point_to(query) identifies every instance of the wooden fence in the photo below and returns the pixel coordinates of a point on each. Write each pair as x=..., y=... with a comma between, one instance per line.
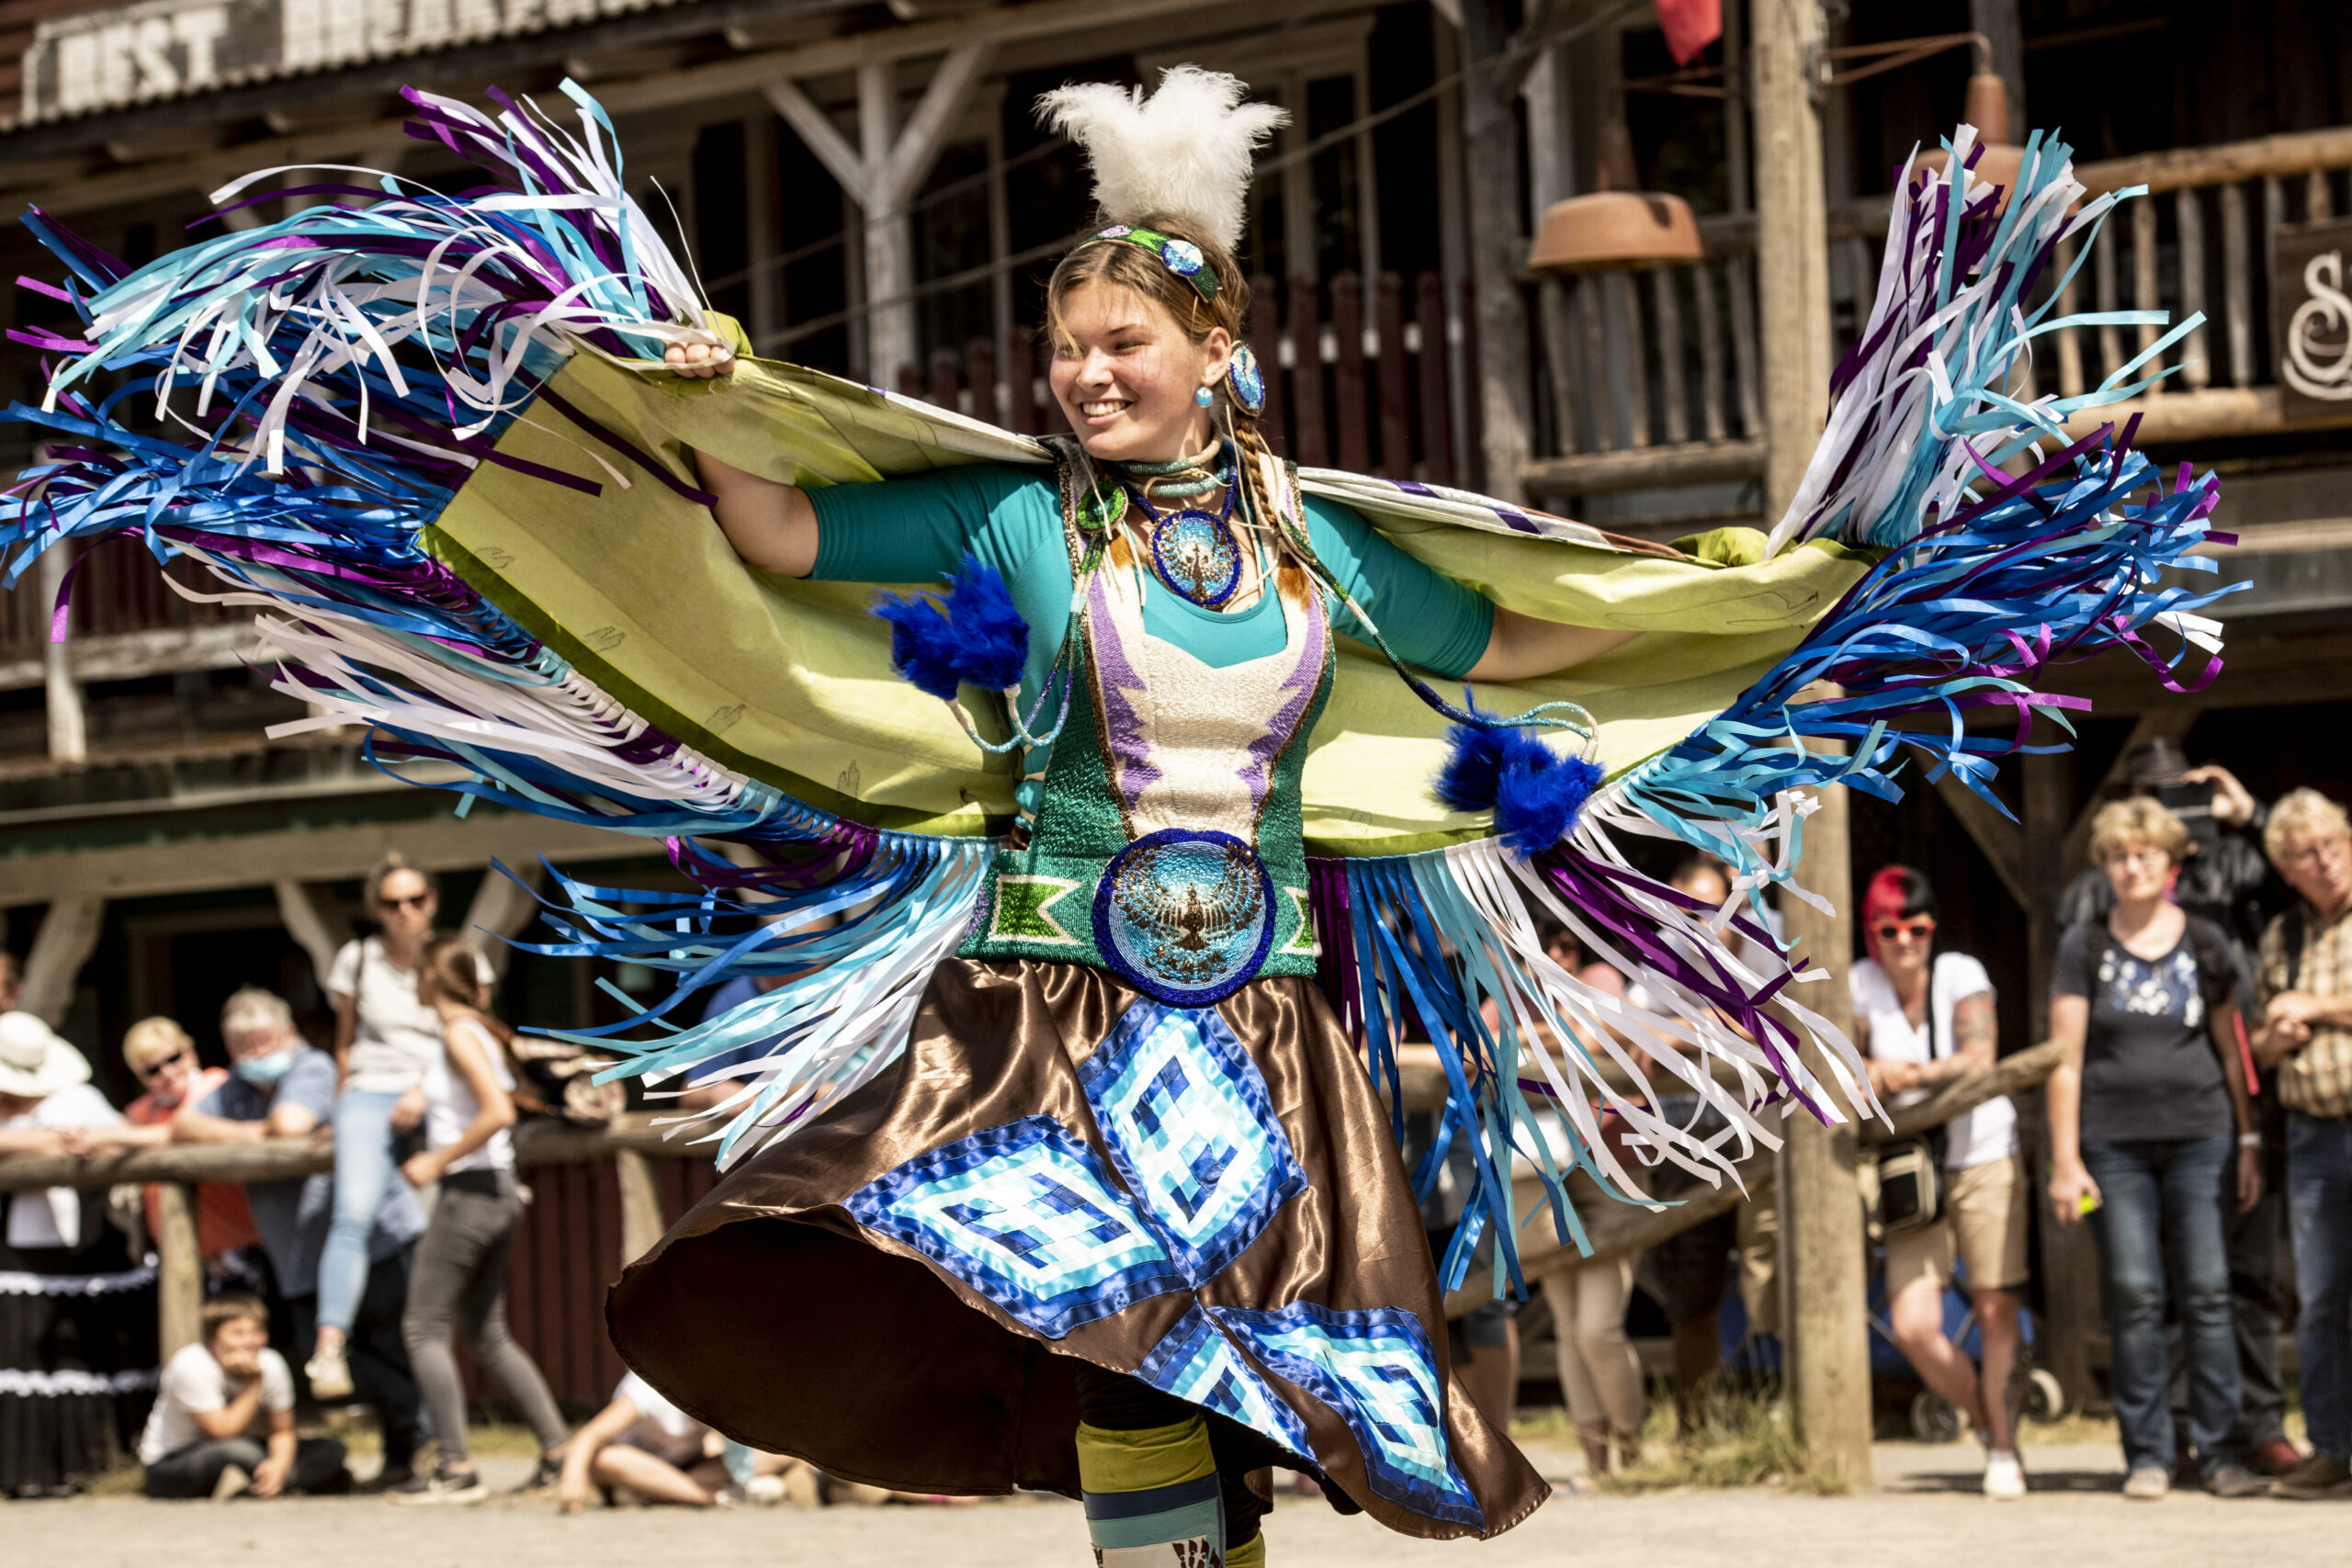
x=599, y=1200
x=1363, y=384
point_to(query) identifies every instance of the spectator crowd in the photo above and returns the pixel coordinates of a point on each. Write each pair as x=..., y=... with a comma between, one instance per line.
x=2199, y=1124
x=370, y=1275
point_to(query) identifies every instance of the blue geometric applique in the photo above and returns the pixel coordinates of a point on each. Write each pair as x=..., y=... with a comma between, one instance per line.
x=1198, y=1364
x=1375, y=1370
x=1025, y=1215
x=1185, y=1116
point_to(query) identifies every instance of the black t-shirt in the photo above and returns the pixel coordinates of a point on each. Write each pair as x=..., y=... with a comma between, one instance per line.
x=2149, y=1066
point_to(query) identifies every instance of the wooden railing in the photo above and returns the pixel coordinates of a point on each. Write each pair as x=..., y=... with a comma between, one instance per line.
x=126, y=623
x=1651, y=378
x=1619, y=1230
x=629, y=1146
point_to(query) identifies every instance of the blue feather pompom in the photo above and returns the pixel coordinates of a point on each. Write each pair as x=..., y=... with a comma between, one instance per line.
x=1533, y=791
x=980, y=640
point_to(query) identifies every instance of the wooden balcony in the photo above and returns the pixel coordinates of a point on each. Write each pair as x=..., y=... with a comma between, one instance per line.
x=1652, y=378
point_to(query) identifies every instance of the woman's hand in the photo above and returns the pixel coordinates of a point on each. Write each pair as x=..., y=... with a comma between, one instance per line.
x=421, y=1170
x=408, y=1110
x=2249, y=1176
x=2069, y=1184
x=1891, y=1078
x=699, y=361
x=572, y=1493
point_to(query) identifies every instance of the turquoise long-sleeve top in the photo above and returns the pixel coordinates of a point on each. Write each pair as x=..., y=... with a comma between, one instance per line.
x=917, y=530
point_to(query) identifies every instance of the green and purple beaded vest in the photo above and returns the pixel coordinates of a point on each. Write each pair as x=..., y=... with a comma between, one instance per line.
x=1166, y=846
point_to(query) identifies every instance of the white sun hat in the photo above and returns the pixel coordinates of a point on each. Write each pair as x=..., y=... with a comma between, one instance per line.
x=34, y=1063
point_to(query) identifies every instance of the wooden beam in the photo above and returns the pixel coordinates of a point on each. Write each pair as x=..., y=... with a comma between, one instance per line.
x=540, y=1141
x=503, y=909
x=196, y=866
x=68, y=935
x=2216, y=412
x=2296, y=152
x=128, y=656
x=1685, y=463
x=2000, y=840
x=316, y=920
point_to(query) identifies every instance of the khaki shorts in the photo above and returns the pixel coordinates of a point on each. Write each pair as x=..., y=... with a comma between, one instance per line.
x=1982, y=1225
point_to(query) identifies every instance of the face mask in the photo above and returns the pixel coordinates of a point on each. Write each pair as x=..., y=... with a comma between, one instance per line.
x=263, y=1072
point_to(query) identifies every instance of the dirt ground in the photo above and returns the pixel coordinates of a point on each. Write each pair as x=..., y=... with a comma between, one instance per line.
x=1925, y=1509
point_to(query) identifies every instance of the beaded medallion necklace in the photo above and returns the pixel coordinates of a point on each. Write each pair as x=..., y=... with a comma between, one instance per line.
x=1196, y=553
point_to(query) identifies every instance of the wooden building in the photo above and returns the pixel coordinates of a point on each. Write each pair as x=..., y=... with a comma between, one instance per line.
x=863, y=183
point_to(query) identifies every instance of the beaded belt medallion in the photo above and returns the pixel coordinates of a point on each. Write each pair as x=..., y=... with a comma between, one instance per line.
x=1185, y=917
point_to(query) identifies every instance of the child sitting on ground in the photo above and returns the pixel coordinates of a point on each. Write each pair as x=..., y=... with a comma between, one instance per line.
x=223, y=1420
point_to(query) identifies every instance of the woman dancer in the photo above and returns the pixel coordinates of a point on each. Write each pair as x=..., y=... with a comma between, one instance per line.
x=1058, y=1154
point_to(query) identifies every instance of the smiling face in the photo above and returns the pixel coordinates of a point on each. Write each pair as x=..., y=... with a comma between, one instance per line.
x=1127, y=375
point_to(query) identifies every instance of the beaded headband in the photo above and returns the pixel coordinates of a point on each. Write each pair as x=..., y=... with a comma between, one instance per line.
x=1179, y=257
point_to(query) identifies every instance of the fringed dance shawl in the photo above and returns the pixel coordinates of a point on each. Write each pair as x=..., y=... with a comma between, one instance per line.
x=421, y=435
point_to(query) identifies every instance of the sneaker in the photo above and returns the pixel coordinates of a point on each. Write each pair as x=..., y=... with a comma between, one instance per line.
x=444, y=1486
x=2229, y=1479
x=543, y=1475
x=2276, y=1457
x=234, y=1482
x=2146, y=1483
x=2318, y=1477
x=330, y=1376
x=2004, y=1477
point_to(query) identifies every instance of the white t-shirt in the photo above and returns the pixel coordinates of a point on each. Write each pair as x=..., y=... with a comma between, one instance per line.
x=397, y=1036
x=194, y=1382
x=53, y=1218
x=652, y=1406
x=450, y=1106
x=1973, y=1137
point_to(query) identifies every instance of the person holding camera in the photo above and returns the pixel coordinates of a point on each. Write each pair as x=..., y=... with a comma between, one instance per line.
x=2152, y=1136
x=1927, y=1022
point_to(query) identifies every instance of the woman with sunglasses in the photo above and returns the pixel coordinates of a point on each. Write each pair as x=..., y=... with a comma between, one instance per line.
x=1926, y=1020
x=385, y=1040
x=2152, y=1136
x=163, y=1058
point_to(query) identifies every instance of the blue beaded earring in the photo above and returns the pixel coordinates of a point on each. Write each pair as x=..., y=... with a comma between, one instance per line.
x=1204, y=397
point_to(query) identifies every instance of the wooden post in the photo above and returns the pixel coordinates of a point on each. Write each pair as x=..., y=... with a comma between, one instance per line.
x=1823, y=1246
x=641, y=1221
x=180, y=1277
x=1503, y=389
x=2069, y=1260
x=69, y=738
x=1821, y=1212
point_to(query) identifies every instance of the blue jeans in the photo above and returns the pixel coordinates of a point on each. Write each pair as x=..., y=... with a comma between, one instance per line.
x=363, y=1169
x=2319, y=1212
x=2164, y=1206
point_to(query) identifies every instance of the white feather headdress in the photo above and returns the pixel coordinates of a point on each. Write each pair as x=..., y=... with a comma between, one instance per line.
x=1186, y=149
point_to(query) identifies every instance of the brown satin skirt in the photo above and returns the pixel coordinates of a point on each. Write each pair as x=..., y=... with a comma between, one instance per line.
x=772, y=1314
